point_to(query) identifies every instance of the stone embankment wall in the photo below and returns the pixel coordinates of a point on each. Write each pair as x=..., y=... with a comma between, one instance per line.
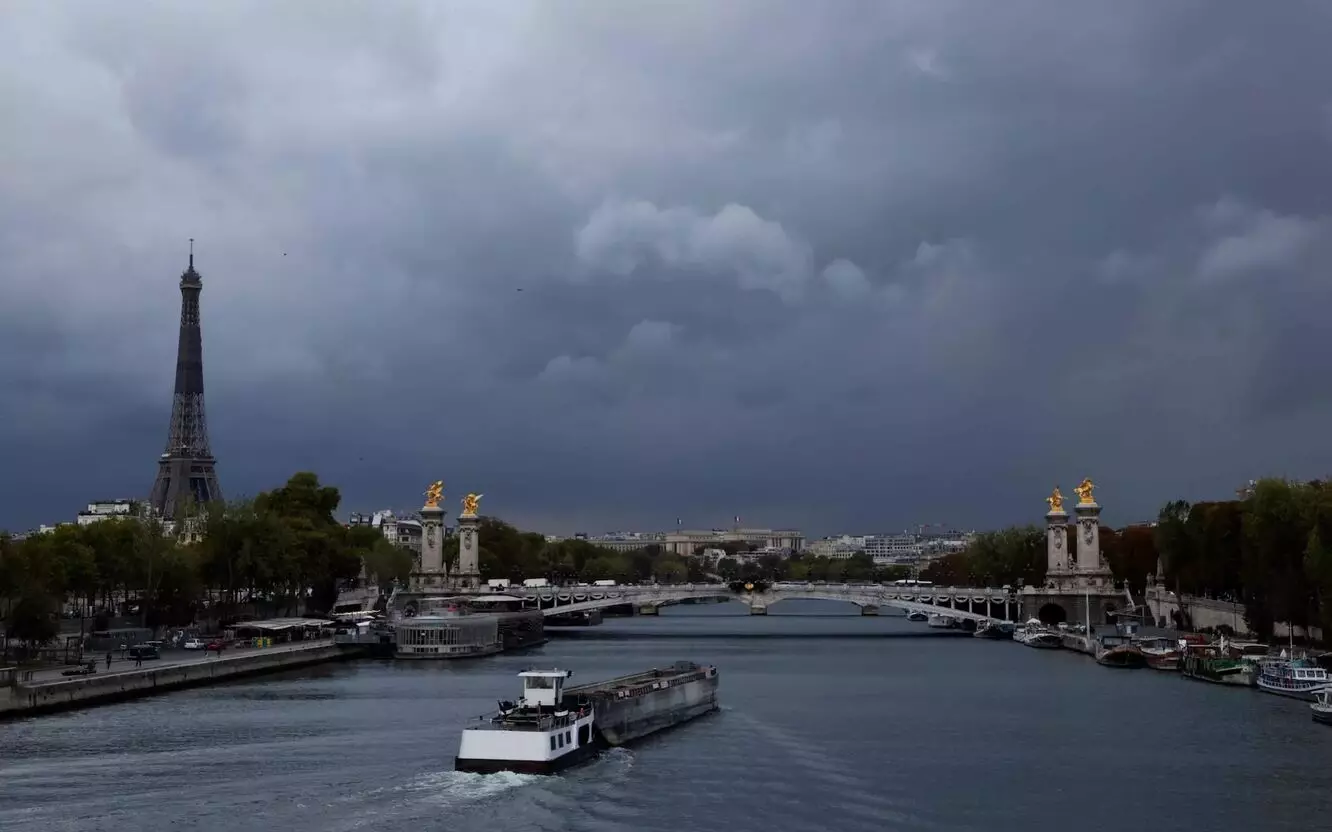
x=1209, y=613
x=21, y=699
x=1205, y=613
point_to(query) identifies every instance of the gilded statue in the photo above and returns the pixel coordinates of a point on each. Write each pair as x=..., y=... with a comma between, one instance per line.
x=1085, y=489
x=470, y=503
x=434, y=494
x=1056, y=500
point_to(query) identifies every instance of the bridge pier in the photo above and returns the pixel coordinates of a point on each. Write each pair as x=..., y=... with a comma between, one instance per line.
x=647, y=609
x=869, y=609
x=757, y=609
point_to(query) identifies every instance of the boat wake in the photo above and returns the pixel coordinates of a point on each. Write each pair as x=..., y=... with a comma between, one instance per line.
x=867, y=801
x=454, y=788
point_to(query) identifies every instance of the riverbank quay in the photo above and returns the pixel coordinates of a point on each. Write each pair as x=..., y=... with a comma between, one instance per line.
x=29, y=693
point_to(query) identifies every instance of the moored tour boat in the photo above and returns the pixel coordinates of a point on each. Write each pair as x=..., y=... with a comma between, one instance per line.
x=1296, y=678
x=918, y=616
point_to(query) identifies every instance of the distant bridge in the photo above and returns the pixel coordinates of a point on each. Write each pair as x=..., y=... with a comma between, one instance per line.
x=977, y=604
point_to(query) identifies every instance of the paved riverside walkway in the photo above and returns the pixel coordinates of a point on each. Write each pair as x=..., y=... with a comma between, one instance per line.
x=170, y=658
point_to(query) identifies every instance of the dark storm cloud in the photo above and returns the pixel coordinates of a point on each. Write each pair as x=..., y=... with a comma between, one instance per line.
x=848, y=267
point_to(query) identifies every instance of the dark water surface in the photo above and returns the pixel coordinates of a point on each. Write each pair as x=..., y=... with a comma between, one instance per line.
x=845, y=723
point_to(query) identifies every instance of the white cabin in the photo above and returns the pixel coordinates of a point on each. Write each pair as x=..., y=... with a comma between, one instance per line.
x=538, y=735
x=543, y=687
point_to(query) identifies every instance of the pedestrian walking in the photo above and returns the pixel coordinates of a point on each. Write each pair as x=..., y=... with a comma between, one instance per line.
x=108, y=659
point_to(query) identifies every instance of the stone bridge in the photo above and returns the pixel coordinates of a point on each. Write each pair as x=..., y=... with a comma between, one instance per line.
x=974, y=603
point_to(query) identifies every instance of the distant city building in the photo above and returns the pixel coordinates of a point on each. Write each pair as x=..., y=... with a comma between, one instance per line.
x=838, y=547
x=105, y=509
x=905, y=549
x=400, y=531
x=624, y=541
x=685, y=543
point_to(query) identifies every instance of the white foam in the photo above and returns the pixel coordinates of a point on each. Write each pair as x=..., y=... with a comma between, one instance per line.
x=453, y=788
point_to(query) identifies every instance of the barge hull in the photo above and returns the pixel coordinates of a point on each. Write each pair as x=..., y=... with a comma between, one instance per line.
x=633, y=707
x=555, y=766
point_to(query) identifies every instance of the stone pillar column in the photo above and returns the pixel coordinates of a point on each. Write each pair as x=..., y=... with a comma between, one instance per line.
x=1056, y=541
x=1089, y=536
x=432, y=547
x=468, y=575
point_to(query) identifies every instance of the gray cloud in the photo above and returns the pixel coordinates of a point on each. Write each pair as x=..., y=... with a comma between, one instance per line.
x=853, y=267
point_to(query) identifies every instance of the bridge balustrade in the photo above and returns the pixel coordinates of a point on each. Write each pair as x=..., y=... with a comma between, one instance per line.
x=927, y=599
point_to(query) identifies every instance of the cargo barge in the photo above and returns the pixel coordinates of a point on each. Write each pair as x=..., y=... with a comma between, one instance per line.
x=553, y=727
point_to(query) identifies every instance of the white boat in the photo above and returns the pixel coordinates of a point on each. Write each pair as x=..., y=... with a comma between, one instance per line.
x=1296, y=678
x=1035, y=634
x=942, y=622
x=1322, y=705
x=1044, y=639
x=536, y=735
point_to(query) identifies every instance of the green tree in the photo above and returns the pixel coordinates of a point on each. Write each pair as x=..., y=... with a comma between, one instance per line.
x=32, y=620
x=1277, y=521
x=1132, y=556
x=386, y=564
x=324, y=563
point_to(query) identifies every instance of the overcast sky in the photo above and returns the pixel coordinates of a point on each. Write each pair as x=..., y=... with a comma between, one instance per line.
x=844, y=266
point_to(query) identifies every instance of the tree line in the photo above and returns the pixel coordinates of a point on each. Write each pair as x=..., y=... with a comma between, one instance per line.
x=281, y=550
x=1268, y=550
x=1017, y=557
x=506, y=552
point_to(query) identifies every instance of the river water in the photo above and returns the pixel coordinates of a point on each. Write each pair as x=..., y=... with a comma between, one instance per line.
x=829, y=722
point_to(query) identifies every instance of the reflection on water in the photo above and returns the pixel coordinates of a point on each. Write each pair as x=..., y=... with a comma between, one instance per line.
x=828, y=723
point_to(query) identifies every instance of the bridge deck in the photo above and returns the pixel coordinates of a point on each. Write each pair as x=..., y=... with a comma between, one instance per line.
x=956, y=601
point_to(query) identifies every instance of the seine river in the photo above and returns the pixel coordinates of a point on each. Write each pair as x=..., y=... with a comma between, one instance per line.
x=829, y=722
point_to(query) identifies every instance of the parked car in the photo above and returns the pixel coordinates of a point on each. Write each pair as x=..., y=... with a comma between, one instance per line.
x=193, y=644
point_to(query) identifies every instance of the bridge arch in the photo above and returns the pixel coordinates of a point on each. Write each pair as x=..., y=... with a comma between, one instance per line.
x=1052, y=613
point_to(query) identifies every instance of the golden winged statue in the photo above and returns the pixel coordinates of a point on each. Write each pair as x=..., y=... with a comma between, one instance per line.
x=470, y=504
x=1085, y=489
x=1056, y=500
x=434, y=494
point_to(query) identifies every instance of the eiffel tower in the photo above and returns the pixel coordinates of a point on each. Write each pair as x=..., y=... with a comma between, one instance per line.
x=186, y=471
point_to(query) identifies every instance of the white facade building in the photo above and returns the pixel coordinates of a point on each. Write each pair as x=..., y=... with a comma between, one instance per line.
x=105, y=509
x=838, y=547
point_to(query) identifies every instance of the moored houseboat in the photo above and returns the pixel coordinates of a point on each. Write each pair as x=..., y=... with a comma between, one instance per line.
x=1162, y=652
x=1213, y=663
x=1119, y=649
